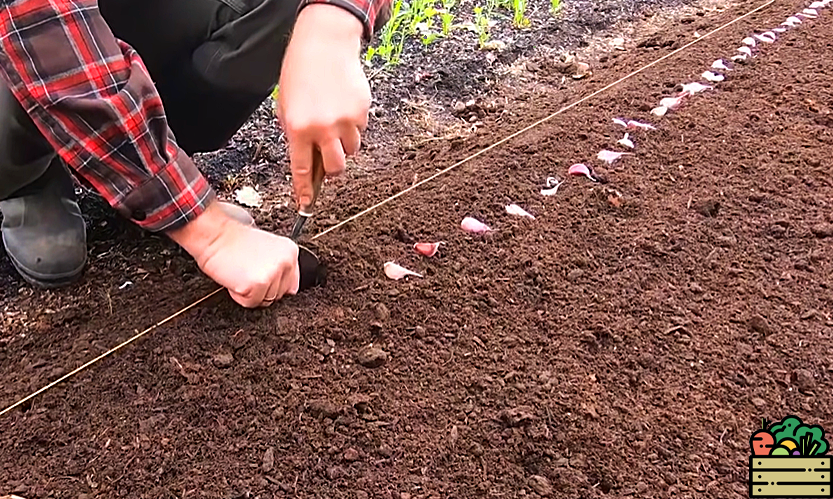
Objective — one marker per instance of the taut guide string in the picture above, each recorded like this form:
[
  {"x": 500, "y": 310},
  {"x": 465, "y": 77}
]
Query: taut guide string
[{"x": 388, "y": 200}]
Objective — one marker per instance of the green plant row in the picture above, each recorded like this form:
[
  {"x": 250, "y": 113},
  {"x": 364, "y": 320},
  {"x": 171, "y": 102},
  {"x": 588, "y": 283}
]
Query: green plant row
[{"x": 430, "y": 20}]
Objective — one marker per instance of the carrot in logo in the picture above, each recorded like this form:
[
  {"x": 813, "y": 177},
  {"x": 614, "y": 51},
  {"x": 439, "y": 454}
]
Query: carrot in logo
[{"x": 789, "y": 461}]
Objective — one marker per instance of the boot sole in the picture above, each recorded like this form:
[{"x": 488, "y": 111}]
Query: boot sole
[{"x": 47, "y": 282}]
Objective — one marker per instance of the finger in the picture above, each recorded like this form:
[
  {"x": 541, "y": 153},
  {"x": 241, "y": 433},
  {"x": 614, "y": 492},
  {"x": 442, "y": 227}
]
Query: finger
[
  {"x": 291, "y": 279},
  {"x": 351, "y": 141},
  {"x": 273, "y": 294},
  {"x": 333, "y": 155},
  {"x": 245, "y": 300},
  {"x": 300, "y": 162},
  {"x": 361, "y": 123}
]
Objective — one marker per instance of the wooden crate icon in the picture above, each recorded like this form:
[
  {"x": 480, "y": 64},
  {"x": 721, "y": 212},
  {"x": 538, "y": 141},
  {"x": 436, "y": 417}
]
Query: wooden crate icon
[{"x": 789, "y": 477}]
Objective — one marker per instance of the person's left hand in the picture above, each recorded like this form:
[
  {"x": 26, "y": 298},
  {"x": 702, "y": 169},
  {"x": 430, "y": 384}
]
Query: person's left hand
[{"x": 324, "y": 95}]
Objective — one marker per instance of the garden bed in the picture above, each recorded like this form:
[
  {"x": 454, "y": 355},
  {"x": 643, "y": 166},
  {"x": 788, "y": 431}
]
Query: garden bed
[{"x": 604, "y": 349}]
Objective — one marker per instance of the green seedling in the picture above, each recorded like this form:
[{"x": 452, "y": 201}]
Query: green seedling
[
  {"x": 519, "y": 14},
  {"x": 446, "y": 18},
  {"x": 555, "y": 6},
  {"x": 481, "y": 23}
]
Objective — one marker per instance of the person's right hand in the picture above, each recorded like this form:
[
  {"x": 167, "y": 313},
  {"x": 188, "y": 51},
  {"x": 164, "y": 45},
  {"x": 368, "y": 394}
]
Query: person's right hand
[{"x": 257, "y": 267}]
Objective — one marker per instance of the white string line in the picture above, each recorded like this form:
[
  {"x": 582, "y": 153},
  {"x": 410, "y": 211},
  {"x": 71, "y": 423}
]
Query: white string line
[
  {"x": 395, "y": 196},
  {"x": 108, "y": 353}
]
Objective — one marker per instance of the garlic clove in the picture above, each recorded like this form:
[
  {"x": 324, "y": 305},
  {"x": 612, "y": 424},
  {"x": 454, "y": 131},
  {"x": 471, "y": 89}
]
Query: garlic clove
[
  {"x": 582, "y": 170},
  {"x": 695, "y": 88},
  {"x": 474, "y": 226},
  {"x": 719, "y": 64},
  {"x": 516, "y": 210},
  {"x": 427, "y": 249},
  {"x": 397, "y": 272},
  {"x": 659, "y": 111},
  {"x": 611, "y": 156}
]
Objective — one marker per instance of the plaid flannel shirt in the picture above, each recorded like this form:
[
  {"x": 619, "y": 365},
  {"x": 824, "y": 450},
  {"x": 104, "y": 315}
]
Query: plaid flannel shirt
[{"x": 92, "y": 98}]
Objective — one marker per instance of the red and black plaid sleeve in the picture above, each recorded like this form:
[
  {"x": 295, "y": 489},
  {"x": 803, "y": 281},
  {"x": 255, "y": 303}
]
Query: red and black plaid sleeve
[
  {"x": 372, "y": 13},
  {"x": 93, "y": 100}
]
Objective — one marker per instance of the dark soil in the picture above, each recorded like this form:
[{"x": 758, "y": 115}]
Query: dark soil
[{"x": 612, "y": 347}]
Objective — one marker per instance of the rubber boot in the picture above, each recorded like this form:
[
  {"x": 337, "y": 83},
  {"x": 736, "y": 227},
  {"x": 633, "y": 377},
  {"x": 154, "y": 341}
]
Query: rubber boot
[{"x": 43, "y": 231}]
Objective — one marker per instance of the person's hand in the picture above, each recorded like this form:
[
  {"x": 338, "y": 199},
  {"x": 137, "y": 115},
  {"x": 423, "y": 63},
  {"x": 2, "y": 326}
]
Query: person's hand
[
  {"x": 324, "y": 95},
  {"x": 257, "y": 267}
]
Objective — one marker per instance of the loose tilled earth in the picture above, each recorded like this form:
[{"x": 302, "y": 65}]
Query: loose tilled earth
[{"x": 605, "y": 349}]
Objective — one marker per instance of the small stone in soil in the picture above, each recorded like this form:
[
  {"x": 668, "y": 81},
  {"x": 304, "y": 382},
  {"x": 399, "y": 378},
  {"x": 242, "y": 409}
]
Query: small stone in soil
[
  {"x": 382, "y": 312},
  {"x": 335, "y": 472},
  {"x": 823, "y": 230},
  {"x": 268, "y": 460},
  {"x": 516, "y": 416},
  {"x": 385, "y": 450},
  {"x": 372, "y": 357},
  {"x": 575, "y": 275},
  {"x": 759, "y": 403},
  {"x": 360, "y": 494},
  {"x": 324, "y": 409},
  {"x": 759, "y": 325},
  {"x": 239, "y": 340},
  {"x": 351, "y": 455},
  {"x": 541, "y": 485},
  {"x": 804, "y": 380},
  {"x": 223, "y": 360},
  {"x": 708, "y": 208},
  {"x": 726, "y": 241}
]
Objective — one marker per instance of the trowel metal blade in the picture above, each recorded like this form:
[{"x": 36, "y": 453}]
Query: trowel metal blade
[{"x": 313, "y": 272}]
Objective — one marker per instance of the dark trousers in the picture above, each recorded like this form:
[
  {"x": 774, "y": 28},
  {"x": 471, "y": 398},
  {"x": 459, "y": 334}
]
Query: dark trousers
[{"x": 213, "y": 62}]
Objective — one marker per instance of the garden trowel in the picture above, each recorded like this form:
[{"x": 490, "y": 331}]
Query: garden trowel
[{"x": 313, "y": 272}]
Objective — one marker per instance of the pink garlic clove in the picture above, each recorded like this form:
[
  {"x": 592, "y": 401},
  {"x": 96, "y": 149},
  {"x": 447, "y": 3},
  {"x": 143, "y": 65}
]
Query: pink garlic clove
[
  {"x": 713, "y": 77},
  {"x": 745, "y": 51},
  {"x": 626, "y": 141},
  {"x": 766, "y": 39},
  {"x": 427, "y": 249},
  {"x": 397, "y": 272},
  {"x": 791, "y": 21},
  {"x": 659, "y": 111},
  {"x": 611, "y": 156},
  {"x": 719, "y": 64},
  {"x": 695, "y": 88},
  {"x": 739, "y": 57},
  {"x": 633, "y": 125},
  {"x": 779, "y": 30},
  {"x": 749, "y": 41},
  {"x": 516, "y": 210},
  {"x": 818, "y": 5},
  {"x": 673, "y": 103},
  {"x": 474, "y": 226},
  {"x": 582, "y": 170}
]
